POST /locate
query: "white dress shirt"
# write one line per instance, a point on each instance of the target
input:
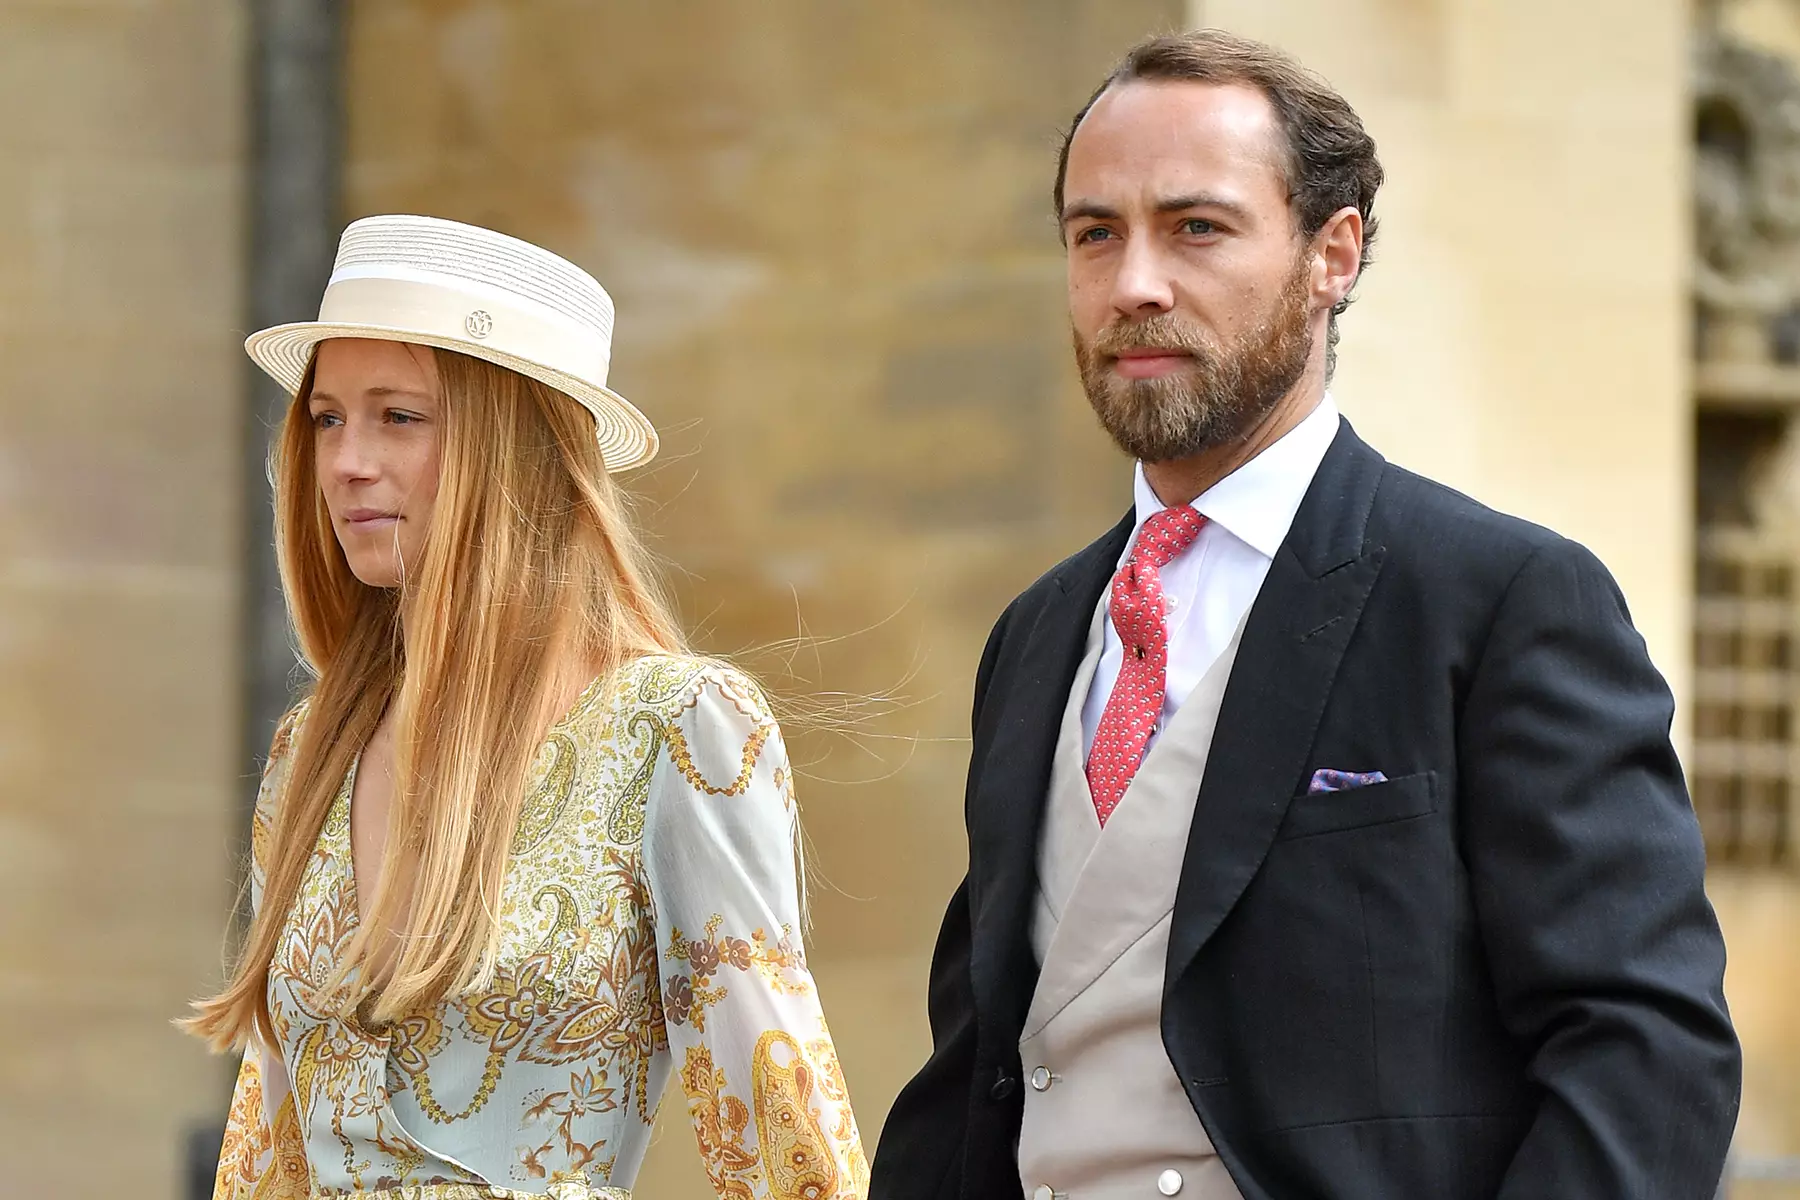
(1210, 586)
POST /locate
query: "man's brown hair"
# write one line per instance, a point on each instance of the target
(1331, 161)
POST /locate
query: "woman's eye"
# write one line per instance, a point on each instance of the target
(403, 418)
(326, 420)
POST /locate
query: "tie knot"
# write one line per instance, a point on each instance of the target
(1166, 534)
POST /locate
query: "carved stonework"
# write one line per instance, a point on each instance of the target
(1746, 197)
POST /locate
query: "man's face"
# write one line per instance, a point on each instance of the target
(1191, 293)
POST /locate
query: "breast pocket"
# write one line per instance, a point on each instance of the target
(1401, 799)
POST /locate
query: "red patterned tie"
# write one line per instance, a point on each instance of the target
(1137, 696)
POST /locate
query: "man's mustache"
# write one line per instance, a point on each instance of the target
(1161, 332)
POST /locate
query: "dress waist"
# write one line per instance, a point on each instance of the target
(561, 1190)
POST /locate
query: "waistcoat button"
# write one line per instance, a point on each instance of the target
(1169, 1182)
(1041, 1079)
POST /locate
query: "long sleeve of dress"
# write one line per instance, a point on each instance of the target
(263, 1155)
(751, 1051)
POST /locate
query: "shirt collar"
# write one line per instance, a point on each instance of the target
(1256, 503)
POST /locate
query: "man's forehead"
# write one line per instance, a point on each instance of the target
(1177, 131)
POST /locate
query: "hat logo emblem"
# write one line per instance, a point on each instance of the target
(479, 324)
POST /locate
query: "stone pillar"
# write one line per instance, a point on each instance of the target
(296, 153)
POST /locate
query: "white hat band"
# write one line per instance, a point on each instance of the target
(447, 307)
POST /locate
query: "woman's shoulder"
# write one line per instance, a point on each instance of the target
(702, 717)
(287, 733)
(275, 773)
(703, 720)
(688, 688)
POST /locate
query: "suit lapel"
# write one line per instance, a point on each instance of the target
(1293, 642)
(1006, 813)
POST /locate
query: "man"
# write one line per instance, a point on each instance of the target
(1325, 836)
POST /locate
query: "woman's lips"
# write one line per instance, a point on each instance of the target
(366, 520)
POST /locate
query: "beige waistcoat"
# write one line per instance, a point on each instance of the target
(1105, 1114)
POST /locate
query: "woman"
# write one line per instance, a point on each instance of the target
(518, 856)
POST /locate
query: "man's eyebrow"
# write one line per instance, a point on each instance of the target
(1094, 210)
(1175, 204)
(1081, 210)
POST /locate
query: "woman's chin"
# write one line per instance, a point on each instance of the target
(375, 574)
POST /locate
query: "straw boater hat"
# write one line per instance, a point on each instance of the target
(460, 287)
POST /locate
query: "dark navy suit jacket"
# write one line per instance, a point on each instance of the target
(1495, 974)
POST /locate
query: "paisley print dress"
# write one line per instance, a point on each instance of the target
(649, 927)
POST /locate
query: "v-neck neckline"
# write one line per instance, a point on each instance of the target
(347, 795)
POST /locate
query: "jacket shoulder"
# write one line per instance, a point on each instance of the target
(1417, 517)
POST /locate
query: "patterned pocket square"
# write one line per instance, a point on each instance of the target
(1327, 780)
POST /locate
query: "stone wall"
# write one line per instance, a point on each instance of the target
(1523, 334)
(119, 501)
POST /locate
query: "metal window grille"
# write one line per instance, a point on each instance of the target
(1746, 687)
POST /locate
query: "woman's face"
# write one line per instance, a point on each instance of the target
(377, 435)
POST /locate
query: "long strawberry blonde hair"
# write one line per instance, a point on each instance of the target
(530, 580)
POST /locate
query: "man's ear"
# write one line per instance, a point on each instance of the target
(1337, 256)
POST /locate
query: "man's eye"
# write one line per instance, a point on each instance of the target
(1095, 234)
(1198, 227)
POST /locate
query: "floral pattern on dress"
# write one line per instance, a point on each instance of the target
(661, 802)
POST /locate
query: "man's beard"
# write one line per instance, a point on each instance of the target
(1215, 401)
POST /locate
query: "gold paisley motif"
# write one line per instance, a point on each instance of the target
(578, 1033)
(337, 817)
(796, 1153)
(625, 821)
(288, 1177)
(545, 804)
(661, 679)
(559, 944)
(843, 1131)
(307, 1061)
(720, 1121)
(247, 1139)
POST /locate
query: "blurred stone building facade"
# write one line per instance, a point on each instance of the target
(120, 393)
(827, 229)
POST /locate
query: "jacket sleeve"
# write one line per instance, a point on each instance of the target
(264, 1153)
(1588, 875)
(752, 1053)
(924, 1140)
